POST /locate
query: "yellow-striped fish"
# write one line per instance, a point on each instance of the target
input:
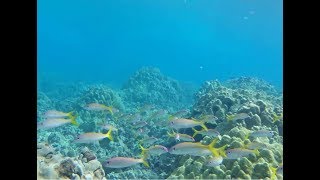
(255, 145)
(185, 123)
(260, 133)
(240, 152)
(56, 122)
(209, 132)
(237, 116)
(98, 107)
(208, 118)
(121, 162)
(57, 114)
(215, 161)
(108, 127)
(93, 137)
(148, 140)
(153, 150)
(182, 137)
(197, 149)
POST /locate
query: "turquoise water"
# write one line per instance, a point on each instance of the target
(205, 57)
(109, 40)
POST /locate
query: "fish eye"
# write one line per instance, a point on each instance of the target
(174, 148)
(108, 162)
(172, 122)
(78, 137)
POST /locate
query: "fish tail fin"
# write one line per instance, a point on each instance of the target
(212, 149)
(222, 150)
(195, 132)
(143, 150)
(109, 108)
(273, 172)
(170, 135)
(69, 114)
(73, 120)
(229, 117)
(204, 126)
(275, 118)
(144, 160)
(247, 136)
(256, 152)
(109, 135)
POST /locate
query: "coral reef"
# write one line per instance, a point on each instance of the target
(219, 100)
(100, 94)
(242, 95)
(149, 86)
(59, 157)
(251, 167)
(251, 83)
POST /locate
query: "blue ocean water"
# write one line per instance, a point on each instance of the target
(159, 89)
(108, 40)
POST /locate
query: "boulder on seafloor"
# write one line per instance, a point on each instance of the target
(67, 167)
(254, 109)
(225, 139)
(238, 132)
(253, 121)
(246, 165)
(267, 155)
(261, 170)
(236, 143)
(262, 105)
(266, 119)
(87, 154)
(61, 167)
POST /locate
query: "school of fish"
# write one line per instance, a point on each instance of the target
(185, 143)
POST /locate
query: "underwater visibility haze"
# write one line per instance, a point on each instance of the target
(161, 89)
